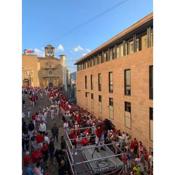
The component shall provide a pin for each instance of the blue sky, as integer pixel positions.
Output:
(50, 22)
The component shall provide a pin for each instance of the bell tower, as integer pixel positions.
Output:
(49, 51)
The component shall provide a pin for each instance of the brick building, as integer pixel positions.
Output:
(115, 80)
(44, 71)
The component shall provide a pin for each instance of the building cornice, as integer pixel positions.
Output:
(128, 30)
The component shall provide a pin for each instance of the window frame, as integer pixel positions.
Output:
(99, 81)
(151, 122)
(111, 108)
(151, 82)
(91, 80)
(127, 85)
(127, 114)
(92, 96)
(85, 79)
(110, 82)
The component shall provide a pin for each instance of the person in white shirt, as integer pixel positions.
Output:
(150, 159)
(46, 138)
(42, 127)
(57, 109)
(29, 114)
(45, 115)
(52, 113)
(65, 125)
(41, 95)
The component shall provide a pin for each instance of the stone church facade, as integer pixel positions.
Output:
(45, 71)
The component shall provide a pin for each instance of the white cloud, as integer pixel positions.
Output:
(59, 48)
(78, 49)
(39, 52)
(84, 54)
(88, 50)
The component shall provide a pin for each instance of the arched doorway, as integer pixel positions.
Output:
(26, 82)
(50, 84)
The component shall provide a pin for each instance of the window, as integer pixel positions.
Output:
(115, 50)
(99, 82)
(127, 106)
(127, 115)
(127, 82)
(86, 94)
(84, 65)
(111, 109)
(130, 47)
(107, 55)
(99, 56)
(97, 59)
(85, 82)
(99, 98)
(89, 62)
(79, 67)
(104, 56)
(91, 82)
(93, 61)
(100, 105)
(92, 103)
(125, 49)
(137, 44)
(150, 113)
(110, 101)
(151, 82)
(151, 123)
(120, 50)
(144, 41)
(151, 38)
(111, 54)
(110, 82)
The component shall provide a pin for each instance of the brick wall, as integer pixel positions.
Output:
(140, 103)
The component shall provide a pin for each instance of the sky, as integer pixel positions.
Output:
(76, 27)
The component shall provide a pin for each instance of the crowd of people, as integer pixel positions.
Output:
(39, 147)
(83, 129)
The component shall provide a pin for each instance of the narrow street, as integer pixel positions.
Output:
(42, 103)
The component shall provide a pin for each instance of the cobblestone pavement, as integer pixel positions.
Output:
(41, 103)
